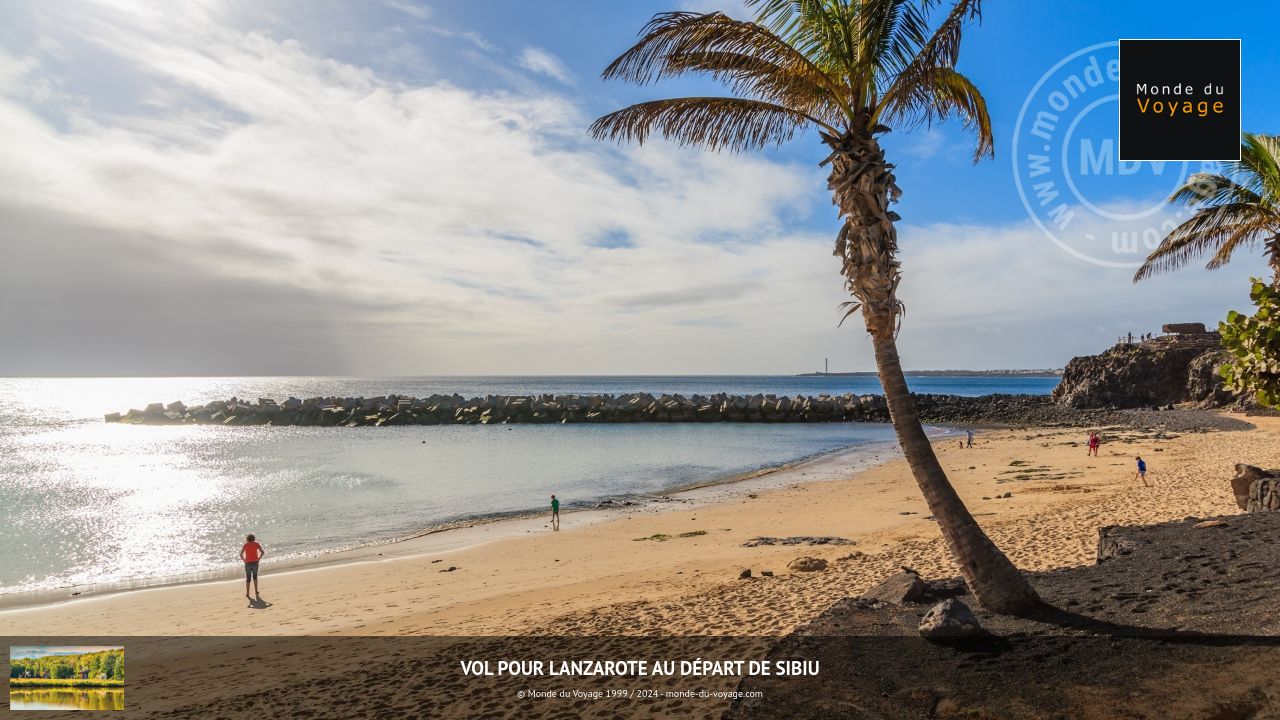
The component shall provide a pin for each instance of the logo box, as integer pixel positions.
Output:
(1180, 100)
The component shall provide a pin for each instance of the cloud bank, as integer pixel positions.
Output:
(198, 191)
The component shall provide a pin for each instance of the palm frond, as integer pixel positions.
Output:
(1243, 236)
(748, 76)
(901, 43)
(939, 93)
(1211, 189)
(1259, 166)
(941, 50)
(823, 30)
(943, 47)
(733, 124)
(1207, 231)
(744, 54)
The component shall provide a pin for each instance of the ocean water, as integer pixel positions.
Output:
(83, 502)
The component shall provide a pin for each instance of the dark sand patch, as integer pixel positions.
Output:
(1182, 624)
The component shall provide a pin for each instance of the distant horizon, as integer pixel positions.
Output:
(533, 375)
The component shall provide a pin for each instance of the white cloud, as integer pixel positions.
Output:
(194, 195)
(544, 63)
(475, 215)
(962, 284)
(412, 9)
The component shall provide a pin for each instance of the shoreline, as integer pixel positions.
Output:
(676, 568)
(455, 536)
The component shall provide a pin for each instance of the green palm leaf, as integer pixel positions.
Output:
(1237, 208)
(716, 123)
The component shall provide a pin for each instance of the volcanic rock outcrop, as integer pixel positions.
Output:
(1178, 367)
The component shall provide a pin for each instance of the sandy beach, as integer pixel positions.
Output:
(658, 570)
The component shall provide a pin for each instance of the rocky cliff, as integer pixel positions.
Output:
(1162, 372)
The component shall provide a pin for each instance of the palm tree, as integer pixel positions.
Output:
(849, 69)
(1239, 207)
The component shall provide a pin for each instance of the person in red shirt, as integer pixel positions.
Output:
(251, 552)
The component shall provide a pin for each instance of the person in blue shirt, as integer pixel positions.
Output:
(1142, 471)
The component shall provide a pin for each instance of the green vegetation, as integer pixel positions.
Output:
(694, 533)
(104, 666)
(659, 537)
(72, 683)
(1253, 341)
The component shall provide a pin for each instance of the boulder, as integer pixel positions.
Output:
(1113, 544)
(1184, 328)
(1261, 489)
(899, 589)
(1246, 475)
(807, 564)
(950, 619)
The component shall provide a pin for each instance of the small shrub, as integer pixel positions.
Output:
(1253, 342)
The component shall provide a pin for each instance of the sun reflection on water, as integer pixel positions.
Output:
(86, 502)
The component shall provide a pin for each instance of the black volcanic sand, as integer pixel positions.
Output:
(1036, 411)
(1185, 625)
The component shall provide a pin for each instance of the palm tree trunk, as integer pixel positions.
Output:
(997, 584)
(863, 185)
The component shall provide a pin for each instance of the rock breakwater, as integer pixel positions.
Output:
(394, 410)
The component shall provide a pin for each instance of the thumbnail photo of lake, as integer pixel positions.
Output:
(66, 677)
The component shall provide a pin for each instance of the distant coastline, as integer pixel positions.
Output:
(945, 373)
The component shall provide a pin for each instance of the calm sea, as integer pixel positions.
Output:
(83, 502)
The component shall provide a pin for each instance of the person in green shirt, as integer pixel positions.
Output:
(555, 513)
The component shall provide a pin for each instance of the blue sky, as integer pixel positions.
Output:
(406, 187)
(26, 652)
(1005, 55)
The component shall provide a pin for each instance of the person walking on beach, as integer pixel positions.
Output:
(969, 433)
(251, 553)
(555, 513)
(1094, 442)
(1142, 471)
